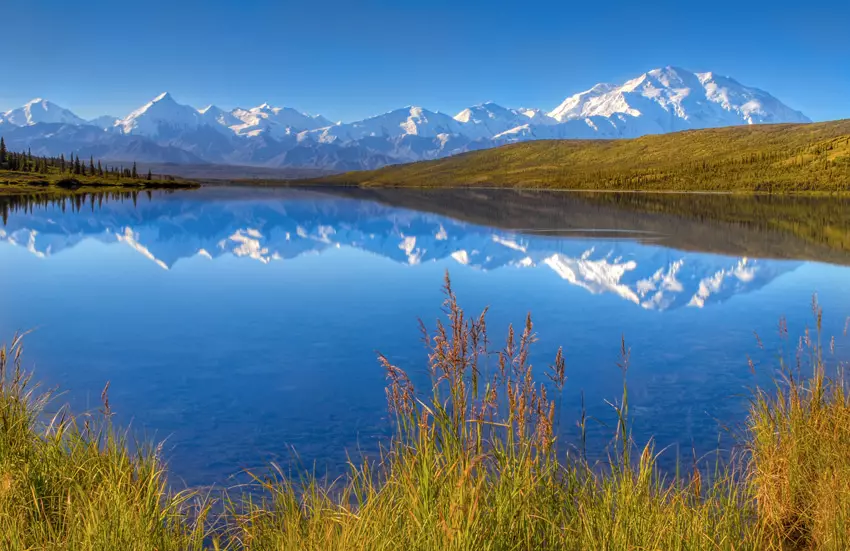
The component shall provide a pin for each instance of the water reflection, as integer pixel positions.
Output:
(243, 324)
(275, 226)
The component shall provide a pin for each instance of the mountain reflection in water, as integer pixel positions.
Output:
(242, 324)
(275, 225)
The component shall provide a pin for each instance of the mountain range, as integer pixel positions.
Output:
(279, 228)
(663, 100)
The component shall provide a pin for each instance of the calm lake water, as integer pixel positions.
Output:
(242, 325)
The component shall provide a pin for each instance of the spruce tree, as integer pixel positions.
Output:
(2, 150)
(91, 166)
(62, 163)
(135, 174)
(150, 176)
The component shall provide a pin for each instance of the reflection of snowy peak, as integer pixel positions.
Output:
(170, 228)
(666, 281)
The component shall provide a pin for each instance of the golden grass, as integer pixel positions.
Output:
(475, 464)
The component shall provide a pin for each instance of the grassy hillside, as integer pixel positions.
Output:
(765, 158)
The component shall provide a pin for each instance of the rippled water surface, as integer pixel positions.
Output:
(242, 325)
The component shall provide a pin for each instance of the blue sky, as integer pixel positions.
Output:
(347, 60)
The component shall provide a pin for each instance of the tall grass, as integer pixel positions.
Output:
(799, 468)
(475, 463)
(72, 483)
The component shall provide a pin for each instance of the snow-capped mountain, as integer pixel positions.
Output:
(671, 99)
(278, 120)
(492, 120)
(662, 100)
(160, 116)
(407, 121)
(272, 228)
(39, 111)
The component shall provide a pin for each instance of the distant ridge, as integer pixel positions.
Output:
(660, 101)
(766, 158)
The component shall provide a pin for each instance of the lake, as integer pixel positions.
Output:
(242, 325)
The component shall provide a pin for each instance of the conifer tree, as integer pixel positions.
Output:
(150, 176)
(135, 174)
(62, 163)
(91, 166)
(99, 168)
(2, 150)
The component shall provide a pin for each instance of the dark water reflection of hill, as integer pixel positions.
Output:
(799, 228)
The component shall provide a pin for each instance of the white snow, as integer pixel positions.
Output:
(671, 99)
(662, 100)
(40, 110)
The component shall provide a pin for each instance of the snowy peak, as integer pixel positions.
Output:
(38, 111)
(666, 99)
(159, 116)
(215, 116)
(753, 105)
(672, 98)
(277, 120)
(165, 96)
(406, 121)
(489, 119)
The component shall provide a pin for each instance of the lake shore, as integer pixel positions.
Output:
(18, 183)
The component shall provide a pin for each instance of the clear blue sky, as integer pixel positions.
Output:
(349, 59)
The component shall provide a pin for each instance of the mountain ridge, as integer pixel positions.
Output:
(659, 101)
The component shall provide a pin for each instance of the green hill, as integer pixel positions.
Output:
(764, 158)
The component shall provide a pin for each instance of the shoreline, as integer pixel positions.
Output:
(306, 185)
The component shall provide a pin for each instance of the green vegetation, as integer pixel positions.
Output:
(23, 173)
(475, 464)
(762, 158)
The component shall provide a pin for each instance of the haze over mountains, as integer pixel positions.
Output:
(659, 101)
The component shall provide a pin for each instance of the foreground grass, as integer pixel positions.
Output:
(71, 483)
(474, 465)
(783, 158)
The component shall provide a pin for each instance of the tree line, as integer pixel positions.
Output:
(25, 161)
